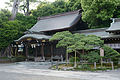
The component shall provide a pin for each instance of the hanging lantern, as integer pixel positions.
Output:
(33, 45)
(20, 48)
(29, 39)
(16, 42)
(43, 40)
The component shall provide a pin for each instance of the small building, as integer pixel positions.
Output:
(36, 43)
(36, 40)
(111, 35)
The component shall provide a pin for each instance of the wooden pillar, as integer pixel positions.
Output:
(36, 52)
(42, 51)
(26, 50)
(51, 52)
(16, 50)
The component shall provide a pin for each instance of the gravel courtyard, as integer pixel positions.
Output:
(40, 71)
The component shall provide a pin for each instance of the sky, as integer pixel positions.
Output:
(3, 5)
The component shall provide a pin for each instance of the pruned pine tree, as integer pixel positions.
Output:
(76, 42)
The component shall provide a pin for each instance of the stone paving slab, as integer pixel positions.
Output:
(23, 72)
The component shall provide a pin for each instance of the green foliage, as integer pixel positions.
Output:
(84, 67)
(97, 13)
(110, 53)
(93, 56)
(12, 30)
(72, 59)
(18, 58)
(73, 5)
(61, 35)
(4, 15)
(77, 42)
(59, 6)
(82, 42)
(27, 21)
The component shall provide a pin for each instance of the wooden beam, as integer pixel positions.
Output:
(51, 51)
(26, 50)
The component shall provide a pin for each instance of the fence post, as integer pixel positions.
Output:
(112, 65)
(94, 65)
(57, 65)
(101, 63)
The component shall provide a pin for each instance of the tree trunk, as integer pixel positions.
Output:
(27, 13)
(83, 54)
(75, 63)
(67, 58)
(7, 52)
(15, 9)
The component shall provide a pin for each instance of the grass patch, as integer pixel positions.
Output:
(86, 67)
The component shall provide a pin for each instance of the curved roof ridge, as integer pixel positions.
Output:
(57, 22)
(92, 30)
(58, 15)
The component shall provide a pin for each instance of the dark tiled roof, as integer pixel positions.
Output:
(101, 32)
(56, 22)
(35, 36)
(115, 25)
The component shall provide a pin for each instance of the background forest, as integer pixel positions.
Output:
(96, 13)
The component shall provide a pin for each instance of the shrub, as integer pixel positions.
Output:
(84, 67)
(72, 59)
(18, 58)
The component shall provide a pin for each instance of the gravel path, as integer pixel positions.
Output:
(40, 71)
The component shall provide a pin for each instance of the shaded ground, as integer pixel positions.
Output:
(40, 71)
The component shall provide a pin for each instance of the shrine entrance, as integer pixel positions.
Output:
(40, 49)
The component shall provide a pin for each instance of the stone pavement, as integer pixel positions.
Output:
(36, 72)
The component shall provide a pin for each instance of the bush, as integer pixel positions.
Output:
(111, 54)
(93, 56)
(84, 67)
(4, 58)
(18, 58)
(72, 59)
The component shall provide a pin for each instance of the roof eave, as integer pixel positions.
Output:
(112, 30)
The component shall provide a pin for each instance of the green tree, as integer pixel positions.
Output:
(65, 39)
(76, 42)
(73, 5)
(111, 54)
(84, 43)
(93, 56)
(27, 21)
(4, 15)
(10, 31)
(97, 13)
(59, 6)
